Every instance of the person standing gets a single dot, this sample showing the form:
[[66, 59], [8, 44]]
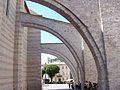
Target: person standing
[[69, 85]]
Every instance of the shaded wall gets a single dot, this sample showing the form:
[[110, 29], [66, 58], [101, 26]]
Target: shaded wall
[[34, 60], [110, 12], [7, 28], [90, 67]]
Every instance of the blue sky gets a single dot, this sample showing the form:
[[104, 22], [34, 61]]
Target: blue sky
[[44, 11], [49, 38], [46, 37], [49, 13]]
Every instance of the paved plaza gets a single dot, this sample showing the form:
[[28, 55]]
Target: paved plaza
[[56, 87]]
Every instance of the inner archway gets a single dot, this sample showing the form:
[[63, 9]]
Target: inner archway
[[25, 21], [34, 37], [61, 50], [63, 59]]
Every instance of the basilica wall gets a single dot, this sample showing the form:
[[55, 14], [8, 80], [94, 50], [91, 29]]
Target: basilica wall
[[111, 28], [7, 29], [19, 46], [90, 66]]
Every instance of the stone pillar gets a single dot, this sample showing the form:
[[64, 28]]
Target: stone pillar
[[19, 51], [34, 60]]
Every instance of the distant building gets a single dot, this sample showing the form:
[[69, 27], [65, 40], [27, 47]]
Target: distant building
[[64, 73], [49, 60]]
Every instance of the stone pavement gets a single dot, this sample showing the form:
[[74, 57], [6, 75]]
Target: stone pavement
[[56, 87]]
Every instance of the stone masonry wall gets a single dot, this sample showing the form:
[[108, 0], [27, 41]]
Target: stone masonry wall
[[20, 60], [33, 60], [7, 28], [24, 59], [20, 52], [110, 12], [90, 67]]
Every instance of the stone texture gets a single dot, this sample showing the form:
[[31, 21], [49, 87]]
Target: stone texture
[[7, 28], [111, 21], [96, 20], [33, 60], [90, 67]]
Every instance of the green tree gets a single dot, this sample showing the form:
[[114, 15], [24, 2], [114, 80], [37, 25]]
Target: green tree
[[51, 70], [43, 72]]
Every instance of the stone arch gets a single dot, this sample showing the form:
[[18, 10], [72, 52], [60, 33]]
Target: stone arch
[[25, 21], [63, 50], [85, 33], [64, 59]]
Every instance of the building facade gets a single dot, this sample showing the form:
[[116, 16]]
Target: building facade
[[64, 73]]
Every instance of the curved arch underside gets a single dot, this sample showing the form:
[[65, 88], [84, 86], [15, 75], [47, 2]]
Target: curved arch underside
[[99, 56], [83, 30], [62, 50], [46, 25], [63, 59]]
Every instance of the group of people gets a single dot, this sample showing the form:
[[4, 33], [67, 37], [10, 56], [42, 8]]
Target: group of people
[[88, 86]]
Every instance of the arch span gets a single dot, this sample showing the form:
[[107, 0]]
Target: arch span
[[62, 50], [83, 30], [34, 21]]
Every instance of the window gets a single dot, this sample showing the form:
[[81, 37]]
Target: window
[[7, 6]]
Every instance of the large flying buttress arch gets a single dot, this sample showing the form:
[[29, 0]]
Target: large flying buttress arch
[[28, 20], [83, 30]]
